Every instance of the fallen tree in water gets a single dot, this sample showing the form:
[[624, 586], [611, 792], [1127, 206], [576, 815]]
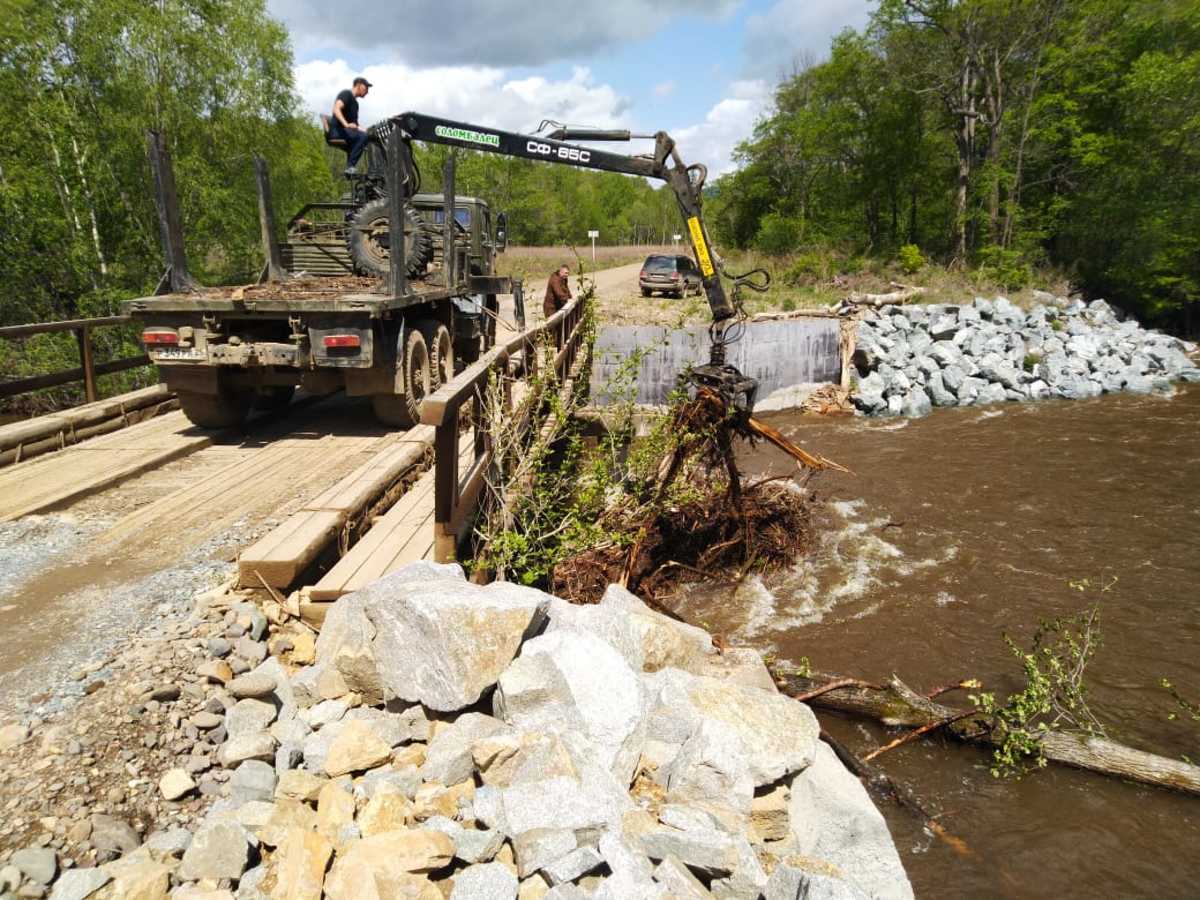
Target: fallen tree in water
[[896, 704]]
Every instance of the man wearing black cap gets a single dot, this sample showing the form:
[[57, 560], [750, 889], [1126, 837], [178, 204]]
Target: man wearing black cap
[[345, 127]]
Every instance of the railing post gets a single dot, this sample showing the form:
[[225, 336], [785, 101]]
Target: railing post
[[395, 186], [84, 337], [166, 199], [266, 220], [445, 486], [448, 192]]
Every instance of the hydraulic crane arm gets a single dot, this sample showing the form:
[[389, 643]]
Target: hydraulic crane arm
[[665, 164]]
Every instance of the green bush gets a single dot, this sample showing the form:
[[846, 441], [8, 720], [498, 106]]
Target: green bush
[[807, 268], [1007, 268], [911, 259], [778, 234]]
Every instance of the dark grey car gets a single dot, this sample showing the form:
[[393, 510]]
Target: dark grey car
[[675, 275]]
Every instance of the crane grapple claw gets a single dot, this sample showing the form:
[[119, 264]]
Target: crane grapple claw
[[736, 389]]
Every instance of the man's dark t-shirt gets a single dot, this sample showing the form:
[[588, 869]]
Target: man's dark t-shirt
[[349, 107]]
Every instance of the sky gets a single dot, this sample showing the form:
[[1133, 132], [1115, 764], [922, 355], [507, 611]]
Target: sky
[[704, 70]]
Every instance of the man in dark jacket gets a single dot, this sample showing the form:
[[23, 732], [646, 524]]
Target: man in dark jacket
[[558, 292], [344, 124]]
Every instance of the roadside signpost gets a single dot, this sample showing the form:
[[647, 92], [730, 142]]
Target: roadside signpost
[[593, 235]]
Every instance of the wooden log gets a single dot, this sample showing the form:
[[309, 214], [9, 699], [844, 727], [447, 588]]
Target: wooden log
[[897, 704], [73, 422]]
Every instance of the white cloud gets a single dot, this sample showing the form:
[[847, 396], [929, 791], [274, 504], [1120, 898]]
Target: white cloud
[[664, 89], [727, 124], [485, 96], [482, 32], [794, 31], [479, 95]]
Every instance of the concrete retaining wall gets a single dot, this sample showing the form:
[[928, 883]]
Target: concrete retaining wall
[[780, 354]]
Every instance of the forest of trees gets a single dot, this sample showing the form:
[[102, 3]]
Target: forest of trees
[[1003, 133]]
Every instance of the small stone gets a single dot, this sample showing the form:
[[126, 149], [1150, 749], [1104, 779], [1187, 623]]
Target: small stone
[[176, 783], [206, 721], [111, 833], [538, 847], [250, 650], [335, 809], [248, 716], [253, 780], [485, 881], [219, 647], [299, 865], [577, 863], [220, 849], [384, 857], [257, 745], [679, 882], [356, 749], [13, 736], [36, 863], [75, 884], [165, 694], [251, 685], [296, 784], [799, 876], [139, 877], [385, 812], [216, 671]]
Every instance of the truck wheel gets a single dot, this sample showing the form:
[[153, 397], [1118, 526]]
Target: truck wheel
[[646, 292], [273, 397], [404, 410], [225, 409], [370, 241], [441, 352]]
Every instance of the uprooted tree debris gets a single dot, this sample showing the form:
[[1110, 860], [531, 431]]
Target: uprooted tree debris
[[694, 517]]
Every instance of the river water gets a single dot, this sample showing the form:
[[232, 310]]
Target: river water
[[971, 523]]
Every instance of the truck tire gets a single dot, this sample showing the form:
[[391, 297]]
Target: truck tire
[[404, 410], [441, 351], [273, 397], [225, 409], [370, 241]]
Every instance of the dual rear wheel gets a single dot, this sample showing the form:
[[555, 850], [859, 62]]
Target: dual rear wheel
[[427, 362]]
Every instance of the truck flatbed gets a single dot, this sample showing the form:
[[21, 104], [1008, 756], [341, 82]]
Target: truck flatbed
[[348, 293]]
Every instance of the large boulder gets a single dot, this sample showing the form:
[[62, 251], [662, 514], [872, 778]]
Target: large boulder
[[575, 682], [444, 642], [778, 736], [833, 819]]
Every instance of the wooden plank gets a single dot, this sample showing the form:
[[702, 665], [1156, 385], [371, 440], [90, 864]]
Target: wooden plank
[[402, 535], [54, 481], [397, 526], [41, 427], [284, 553]]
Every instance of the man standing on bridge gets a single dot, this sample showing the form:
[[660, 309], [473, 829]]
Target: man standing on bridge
[[344, 125], [558, 292]]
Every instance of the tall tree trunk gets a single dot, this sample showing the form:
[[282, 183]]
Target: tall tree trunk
[[91, 206], [965, 143]]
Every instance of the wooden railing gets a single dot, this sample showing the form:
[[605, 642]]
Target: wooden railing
[[88, 367], [457, 495]]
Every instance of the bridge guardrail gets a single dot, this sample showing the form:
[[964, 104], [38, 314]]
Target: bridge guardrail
[[88, 367], [457, 495]]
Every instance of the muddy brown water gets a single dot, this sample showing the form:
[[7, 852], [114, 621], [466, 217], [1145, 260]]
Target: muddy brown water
[[971, 523]]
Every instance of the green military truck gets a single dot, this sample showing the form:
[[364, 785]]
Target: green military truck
[[332, 323]]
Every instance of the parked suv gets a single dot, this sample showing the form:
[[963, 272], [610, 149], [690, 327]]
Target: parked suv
[[670, 274]]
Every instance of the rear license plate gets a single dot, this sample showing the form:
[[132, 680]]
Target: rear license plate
[[173, 353]]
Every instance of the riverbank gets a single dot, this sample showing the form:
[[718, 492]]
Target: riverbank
[[913, 358], [440, 739]]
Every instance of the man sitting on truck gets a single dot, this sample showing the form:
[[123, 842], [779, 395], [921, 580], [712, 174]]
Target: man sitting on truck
[[344, 124]]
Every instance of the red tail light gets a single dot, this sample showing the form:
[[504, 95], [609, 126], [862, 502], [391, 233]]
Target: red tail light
[[160, 336], [674, 276], [342, 340], [642, 274]]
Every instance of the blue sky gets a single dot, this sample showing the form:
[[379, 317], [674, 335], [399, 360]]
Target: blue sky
[[702, 69]]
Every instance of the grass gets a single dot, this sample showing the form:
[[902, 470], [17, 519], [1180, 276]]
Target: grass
[[532, 263]]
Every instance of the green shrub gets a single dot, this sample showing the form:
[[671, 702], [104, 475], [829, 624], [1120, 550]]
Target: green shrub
[[911, 259], [807, 268], [788, 304], [778, 234], [853, 265], [1007, 268]]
